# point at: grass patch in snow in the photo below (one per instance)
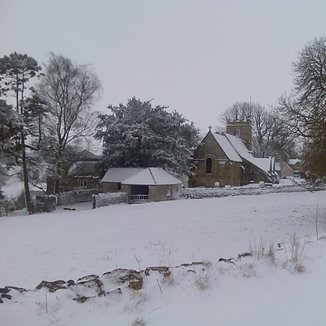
(138, 322)
(202, 277)
(294, 255)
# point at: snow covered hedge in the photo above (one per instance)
(199, 193)
(106, 199)
(76, 196)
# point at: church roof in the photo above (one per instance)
(227, 148)
(236, 151)
(262, 163)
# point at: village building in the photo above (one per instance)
(84, 175)
(80, 172)
(296, 165)
(282, 166)
(288, 167)
(142, 184)
(225, 159)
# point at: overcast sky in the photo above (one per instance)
(197, 57)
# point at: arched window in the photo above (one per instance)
(209, 164)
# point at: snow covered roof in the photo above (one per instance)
(278, 166)
(227, 148)
(140, 176)
(262, 163)
(120, 174)
(294, 161)
(84, 168)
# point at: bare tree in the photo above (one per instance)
(69, 91)
(304, 112)
(269, 137)
(263, 124)
(238, 111)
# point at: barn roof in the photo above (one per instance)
(140, 176)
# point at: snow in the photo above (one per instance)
(263, 163)
(140, 176)
(70, 244)
(278, 166)
(13, 186)
(294, 161)
(227, 148)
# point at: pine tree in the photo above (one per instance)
(16, 71)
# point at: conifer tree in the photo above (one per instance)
(16, 72)
(141, 135)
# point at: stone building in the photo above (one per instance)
(223, 159)
(241, 129)
(142, 184)
(81, 171)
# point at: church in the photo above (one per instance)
(223, 159)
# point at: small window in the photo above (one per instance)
(119, 186)
(209, 163)
(83, 184)
(169, 191)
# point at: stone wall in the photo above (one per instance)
(110, 186)
(163, 192)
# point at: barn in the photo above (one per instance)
(142, 184)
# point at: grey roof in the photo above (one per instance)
(227, 148)
(120, 174)
(140, 176)
(263, 164)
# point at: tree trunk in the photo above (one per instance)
(59, 162)
(57, 186)
(28, 201)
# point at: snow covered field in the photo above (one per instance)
(268, 290)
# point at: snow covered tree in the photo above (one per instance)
(304, 112)
(16, 71)
(10, 123)
(68, 91)
(141, 135)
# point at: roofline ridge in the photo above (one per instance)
(233, 145)
(150, 171)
